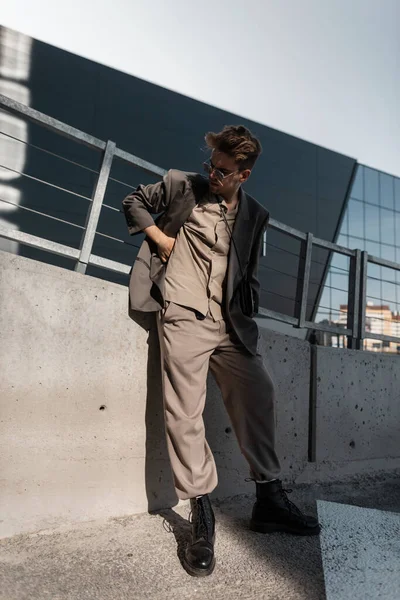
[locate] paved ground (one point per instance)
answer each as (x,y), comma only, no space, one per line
(138,557)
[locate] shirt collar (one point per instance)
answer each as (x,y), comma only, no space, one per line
(232,212)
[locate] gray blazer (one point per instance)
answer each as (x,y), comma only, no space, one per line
(175,197)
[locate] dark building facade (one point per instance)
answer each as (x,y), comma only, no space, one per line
(303,185)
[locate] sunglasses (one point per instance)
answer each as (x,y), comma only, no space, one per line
(218,173)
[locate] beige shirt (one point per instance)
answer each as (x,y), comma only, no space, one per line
(196,269)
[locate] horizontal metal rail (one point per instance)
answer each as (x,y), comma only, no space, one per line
(138,162)
(383,262)
(355,330)
(55,248)
(276,316)
(328,328)
(382,337)
(36,242)
(295,233)
(16,108)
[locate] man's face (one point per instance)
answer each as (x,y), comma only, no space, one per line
(228,167)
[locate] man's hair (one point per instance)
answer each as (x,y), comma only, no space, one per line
(238,142)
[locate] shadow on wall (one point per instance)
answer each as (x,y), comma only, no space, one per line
(15,65)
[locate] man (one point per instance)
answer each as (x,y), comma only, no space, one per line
(198,269)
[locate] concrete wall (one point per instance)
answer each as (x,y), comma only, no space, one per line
(81,414)
(358,405)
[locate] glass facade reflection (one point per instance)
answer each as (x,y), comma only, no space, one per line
(371,222)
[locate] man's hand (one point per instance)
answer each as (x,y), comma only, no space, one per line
(165,246)
(163,242)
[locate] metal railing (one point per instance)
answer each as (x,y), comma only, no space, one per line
(355,329)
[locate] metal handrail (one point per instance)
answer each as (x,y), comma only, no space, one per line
(356,315)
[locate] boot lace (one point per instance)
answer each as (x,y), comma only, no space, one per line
(291,506)
(167,526)
(202,524)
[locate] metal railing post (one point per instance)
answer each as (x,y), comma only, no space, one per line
(264,244)
(353,340)
(93,215)
(303,280)
(362,298)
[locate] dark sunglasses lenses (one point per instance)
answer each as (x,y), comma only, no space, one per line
(209,169)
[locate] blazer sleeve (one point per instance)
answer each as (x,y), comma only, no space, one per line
(254,262)
(146,200)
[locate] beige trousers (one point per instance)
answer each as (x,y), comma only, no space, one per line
(189,347)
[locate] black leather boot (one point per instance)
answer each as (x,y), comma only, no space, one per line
(199,557)
(273,511)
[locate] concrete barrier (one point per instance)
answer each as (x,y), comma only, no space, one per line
(358,405)
(82,432)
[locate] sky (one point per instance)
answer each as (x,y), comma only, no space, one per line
(326,71)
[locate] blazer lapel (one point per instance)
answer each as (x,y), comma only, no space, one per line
(240,234)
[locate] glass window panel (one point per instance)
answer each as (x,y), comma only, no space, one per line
(339,299)
(325,301)
(339,261)
(397,275)
(387,226)
(334,316)
(375,317)
(356,218)
(373,289)
(357,191)
(322,315)
(372,345)
(372,222)
(371,186)
(386,190)
(339,281)
(388,274)
(374,249)
(388,292)
(344,229)
(374,271)
(343,240)
(396,322)
(356,243)
(326,314)
(397,228)
(397,193)
(388,252)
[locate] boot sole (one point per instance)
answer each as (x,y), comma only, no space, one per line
(199,572)
(272,527)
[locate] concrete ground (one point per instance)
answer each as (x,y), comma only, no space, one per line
(138,557)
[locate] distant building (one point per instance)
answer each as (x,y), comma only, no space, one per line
(379,319)
(371,222)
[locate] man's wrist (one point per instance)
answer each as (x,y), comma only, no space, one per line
(160,236)
(154,233)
